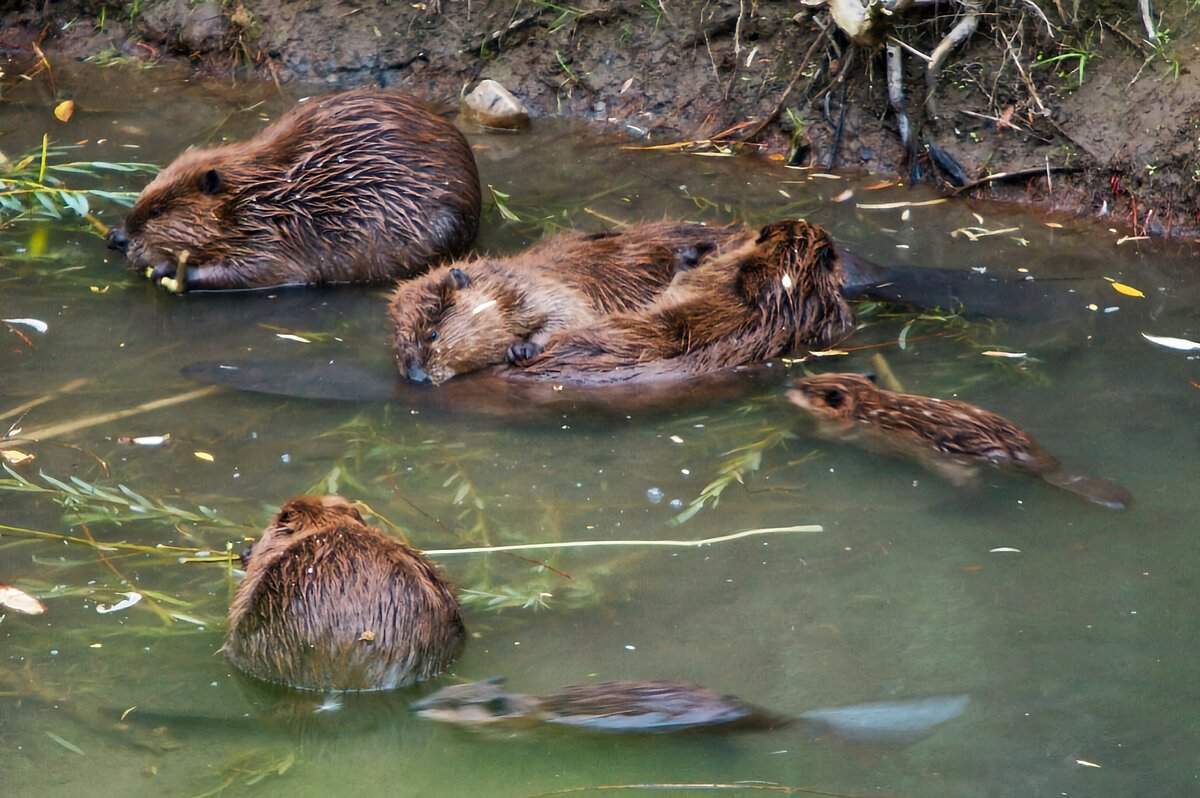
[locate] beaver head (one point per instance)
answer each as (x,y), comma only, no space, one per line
(833,395)
(303,514)
(812,281)
(180,214)
(478,704)
(451,322)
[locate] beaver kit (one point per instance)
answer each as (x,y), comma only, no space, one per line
(777,293)
(330,603)
(662,707)
(364,186)
(482,312)
(952,437)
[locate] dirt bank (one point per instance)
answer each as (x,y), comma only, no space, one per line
(1032,88)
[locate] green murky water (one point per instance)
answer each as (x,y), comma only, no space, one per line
(1078,648)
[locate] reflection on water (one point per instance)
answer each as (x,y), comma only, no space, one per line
(1072,641)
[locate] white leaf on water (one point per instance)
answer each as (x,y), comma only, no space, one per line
(1180,344)
(995,353)
(290,337)
(1000,549)
(20,601)
(36,324)
(129,600)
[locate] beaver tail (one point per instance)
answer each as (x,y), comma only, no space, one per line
(1104,492)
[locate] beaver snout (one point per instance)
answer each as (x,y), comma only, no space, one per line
(415,372)
(117,239)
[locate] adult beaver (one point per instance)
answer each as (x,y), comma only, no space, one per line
(478,313)
(666,706)
(329,603)
(776,293)
(363,186)
(952,437)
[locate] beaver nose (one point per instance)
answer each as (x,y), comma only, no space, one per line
(117,239)
(416,373)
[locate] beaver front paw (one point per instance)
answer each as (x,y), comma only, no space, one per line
(524,350)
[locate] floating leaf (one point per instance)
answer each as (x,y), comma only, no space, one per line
(36,324)
(63,111)
(205,456)
(15,456)
(1181,344)
(1127,290)
(67,744)
(130,599)
(996,353)
(20,601)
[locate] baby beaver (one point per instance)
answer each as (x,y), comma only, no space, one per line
(952,437)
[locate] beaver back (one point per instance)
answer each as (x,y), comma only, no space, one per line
(329,603)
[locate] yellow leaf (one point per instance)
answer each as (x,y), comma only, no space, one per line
(205,456)
(15,456)
(1121,288)
(63,111)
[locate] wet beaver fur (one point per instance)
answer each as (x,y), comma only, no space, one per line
(482,312)
(329,603)
(776,293)
(952,437)
(363,186)
(664,706)
(605,706)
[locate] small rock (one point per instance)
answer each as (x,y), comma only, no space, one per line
(491,105)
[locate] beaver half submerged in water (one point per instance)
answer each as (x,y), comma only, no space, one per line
(363,186)
(329,603)
(952,437)
(479,313)
(776,293)
(664,706)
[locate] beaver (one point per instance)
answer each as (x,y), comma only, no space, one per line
(363,186)
(662,706)
(477,313)
(776,293)
(952,437)
(666,706)
(330,603)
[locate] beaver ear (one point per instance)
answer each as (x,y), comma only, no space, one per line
(763,232)
(457,279)
(835,397)
(209,181)
(870,375)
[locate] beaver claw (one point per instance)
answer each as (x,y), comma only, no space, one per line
(525,350)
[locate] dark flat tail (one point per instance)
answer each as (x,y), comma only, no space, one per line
(956,289)
(1103,492)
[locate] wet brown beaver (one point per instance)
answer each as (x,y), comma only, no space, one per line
(329,603)
(363,186)
(479,313)
(665,706)
(952,437)
(776,293)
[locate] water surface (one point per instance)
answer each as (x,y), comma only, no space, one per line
(1075,648)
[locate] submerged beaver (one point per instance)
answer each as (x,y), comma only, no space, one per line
(363,186)
(329,603)
(952,437)
(776,293)
(479,313)
(665,706)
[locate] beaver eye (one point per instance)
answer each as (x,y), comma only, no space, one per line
(154,213)
(433,336)
(498,706)
(834,397)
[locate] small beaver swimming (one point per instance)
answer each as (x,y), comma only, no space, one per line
(776,293)
(952,437)
(363,186)
(330,603)
(661,707)
(482,312)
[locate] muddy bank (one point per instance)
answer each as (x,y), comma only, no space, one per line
(1113,116)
